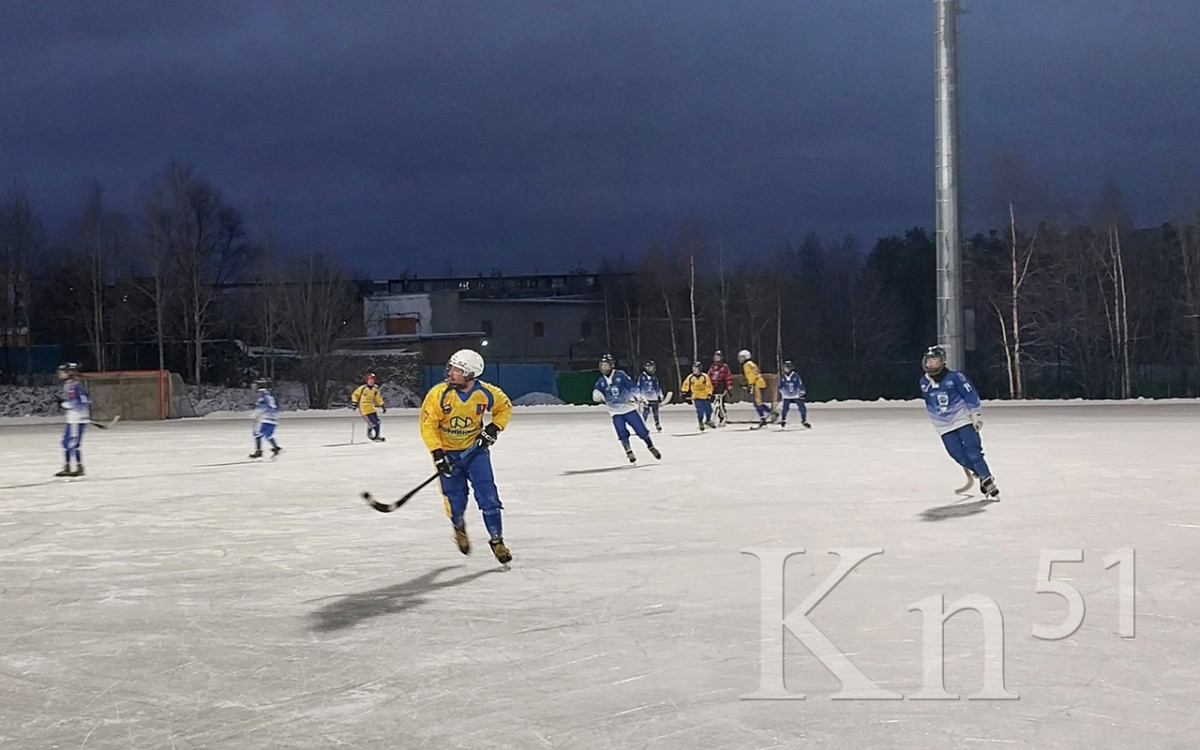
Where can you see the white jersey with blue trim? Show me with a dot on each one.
(76, 402)
(649, 387)
(266, 410)
(791, 386)
(950, 401)
(619, 391)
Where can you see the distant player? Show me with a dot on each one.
(957, 414)
(367, 399)
(652, 393)
(722, 380)
(755, 386)
(697, 389)
(451, 424)
(266, 418)
(77, 407)
(791, 391)
(619, 392)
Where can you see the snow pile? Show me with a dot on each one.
(538, 398)
(30, 401)
(209, 399)
(397, 396)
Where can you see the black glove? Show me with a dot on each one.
(442, 462)
(384, 409)
(488, 436)
(687, 399)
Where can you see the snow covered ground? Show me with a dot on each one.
(181, 597)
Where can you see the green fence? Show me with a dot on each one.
(576, 387)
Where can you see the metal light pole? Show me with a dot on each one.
(949, 256)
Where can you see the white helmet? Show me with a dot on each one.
(744, 355)
(469, 361)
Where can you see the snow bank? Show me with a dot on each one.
(37, 404)
(538, 398)
(30, 401)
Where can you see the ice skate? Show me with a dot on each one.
(66, 471)
(702, 427)
(710, 424)
(632, 458)
(654, 452)
(500, 550)
(78, 471)
(460, 538)
(275, 452)
(783, 423)
(807, 426)
(256, 454)
(988, 487)
(657, 427)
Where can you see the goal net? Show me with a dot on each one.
(138, 394)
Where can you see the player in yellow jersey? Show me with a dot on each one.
(755, 386)
(453, 429)
(698, 389)
(367, 399)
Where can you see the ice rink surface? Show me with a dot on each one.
(182, 597)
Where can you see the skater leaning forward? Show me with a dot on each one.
(453, 429)
(617, 390)
(368, 400)
(957, 414)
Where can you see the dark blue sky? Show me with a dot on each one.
(531, 133)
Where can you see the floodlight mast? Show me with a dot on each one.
(948, 238)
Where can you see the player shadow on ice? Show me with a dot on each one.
(955, 510)
(602, 470)
(352, 609)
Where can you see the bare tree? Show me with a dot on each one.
(723, 296)
(1008, 310)
(318, 306)
(692, 299)
(91, 244)
(21, 238)
(206, 243)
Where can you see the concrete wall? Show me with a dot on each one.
(513, 327)
(377, 309)
(568, 328)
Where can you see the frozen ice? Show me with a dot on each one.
(182, 596)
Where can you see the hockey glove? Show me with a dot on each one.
(598, 397)
(977, 421)
(488, 436)
(442, 463)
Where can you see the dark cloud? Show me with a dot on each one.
(480, 134)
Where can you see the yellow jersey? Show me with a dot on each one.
(753, 378)
(367, 398)
(700, 386)
(452, 420)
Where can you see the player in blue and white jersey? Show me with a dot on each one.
(652, 392)
(791, 391)
(957, 414)
(618, 391)
(266, 417)
(77, 407)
